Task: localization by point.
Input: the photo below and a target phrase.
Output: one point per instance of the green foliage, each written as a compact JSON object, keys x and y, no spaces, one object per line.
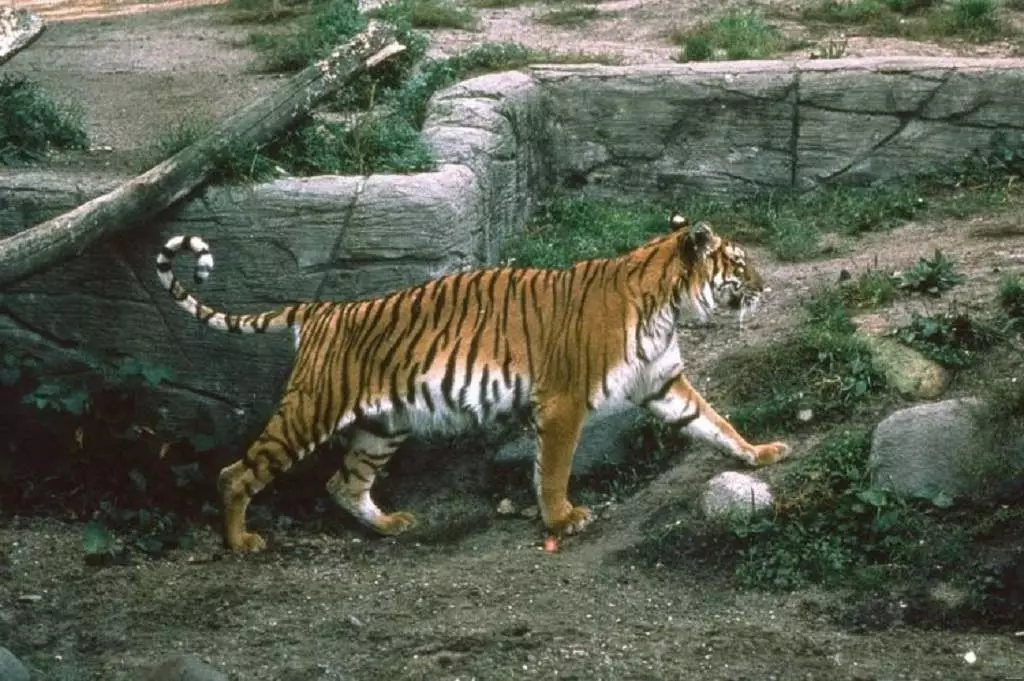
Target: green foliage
{"x":821,"y":372}
{"x":573,"y":16}
{"x":1011,"y":300}
{"x":951,"y":338}
{"x":872,"y":288}
{"x":932,"y":277}
{"x":31,"y":124}
{"x":566,"y":230}
{"x":441,"y":14}
{"x":182,"y":135}
{"x":331,"y":23}
{"x":85,"y":441}
{"x":372,"y":144}
{"x":975,"y":17}
{"x":733,"y":35}
{"x":974,"y":20}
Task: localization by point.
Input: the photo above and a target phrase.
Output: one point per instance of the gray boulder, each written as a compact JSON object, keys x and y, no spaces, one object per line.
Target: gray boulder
{"x":605,"y":441}
{"x":184,"y":668}
{"x":928,"y":449}
{"x":733,"y":494}
{"x":11,"y":668}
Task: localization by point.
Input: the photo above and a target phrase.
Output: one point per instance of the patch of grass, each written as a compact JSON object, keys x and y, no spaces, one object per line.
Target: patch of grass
{"x":32,"y":124}
{"x":974,"y":20}
{"x":819,"y":372}
{"x":500,"y":4}
{"x":573,"y":16}
{"x":371,"y":144}
{"x":831,"y":527}
{"x":441,"y":14}
{"x":330,"y":23}
{"x":733,"y":35}
{"x":268,"y":11}
{"x":950,"y":338}
{"x":976,"y":17}
{"x":872,"y":288}
{"x":1011,"y":300}
{"x":570,"y":229}
{"x":180,"y":136}
{"x":931,"y":277}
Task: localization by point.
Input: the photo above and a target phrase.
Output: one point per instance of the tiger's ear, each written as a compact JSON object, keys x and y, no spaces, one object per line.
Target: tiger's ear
{"x":702,"y":235}
{"x":697,"y":243}
{"x":678,"y":222}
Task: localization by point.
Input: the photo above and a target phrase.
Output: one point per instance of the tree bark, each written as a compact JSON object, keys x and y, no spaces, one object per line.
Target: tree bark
{"x":143,"y":197}
{"x":18,"y":29}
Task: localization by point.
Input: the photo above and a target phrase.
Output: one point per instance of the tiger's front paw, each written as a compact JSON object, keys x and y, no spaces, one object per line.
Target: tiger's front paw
{"x":770,"y":453}
{"x":574,"y":522}
{"x":247,"y":542}
{"x":395,"y":523}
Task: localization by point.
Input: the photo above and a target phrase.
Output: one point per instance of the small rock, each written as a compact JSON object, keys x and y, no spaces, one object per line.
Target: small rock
{"x":735,"y":494}
{"x":506,"y":507}
{"x":970,"y":657}
{"x":530,"y":512}
{"x":11,"y":668}
{"x":185,"y":668}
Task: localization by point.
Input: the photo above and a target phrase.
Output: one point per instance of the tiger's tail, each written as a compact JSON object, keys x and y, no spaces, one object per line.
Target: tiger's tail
{"x":263,"y":322}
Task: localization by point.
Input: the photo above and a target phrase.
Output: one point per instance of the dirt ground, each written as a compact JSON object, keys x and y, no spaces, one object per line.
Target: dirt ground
{"x":467,"y":595}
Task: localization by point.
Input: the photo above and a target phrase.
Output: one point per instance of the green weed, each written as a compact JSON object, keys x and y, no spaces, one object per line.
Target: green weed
{"x":733,"y":35}
{"x":974,"y":20}
{"x":1011,"y":300}
{"x":932,"y":277}
{"x":32,"y":124}
{"x":180,"y":136}
{"x":820,"y":372}
{"x":568,"y":229}
{"x":573,"y":16}
{"x":429,"y":14}
{"x":950,"y":338}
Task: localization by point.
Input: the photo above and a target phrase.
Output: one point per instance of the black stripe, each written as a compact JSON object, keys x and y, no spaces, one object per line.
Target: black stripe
{"x":661,"y":392}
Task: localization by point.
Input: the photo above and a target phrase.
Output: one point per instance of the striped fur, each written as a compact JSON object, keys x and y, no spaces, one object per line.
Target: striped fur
{"x":552,"y":346}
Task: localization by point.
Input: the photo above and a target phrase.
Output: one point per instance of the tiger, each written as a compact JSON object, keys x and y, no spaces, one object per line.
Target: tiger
{"x":550,"y":346}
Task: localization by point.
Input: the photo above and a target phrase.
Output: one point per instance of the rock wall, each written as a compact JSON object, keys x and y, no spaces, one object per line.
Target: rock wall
{"x":501,"y":141}
{"x":291,"y":239}
{"x":663,"y":131}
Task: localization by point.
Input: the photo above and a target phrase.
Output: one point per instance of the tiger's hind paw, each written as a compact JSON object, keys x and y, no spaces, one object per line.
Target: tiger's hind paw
{"x":770,"y":453}
{"x":574,"y":522}
{"x":391,"y":524}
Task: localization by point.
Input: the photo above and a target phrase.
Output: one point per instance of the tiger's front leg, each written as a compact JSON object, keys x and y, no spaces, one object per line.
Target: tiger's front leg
{"x":679,"y":403}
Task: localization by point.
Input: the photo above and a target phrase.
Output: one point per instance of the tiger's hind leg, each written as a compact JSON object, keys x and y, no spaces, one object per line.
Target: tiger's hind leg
{"x":679,"y":403}
{"x":350,"y":485}
{"x":287,"y":438}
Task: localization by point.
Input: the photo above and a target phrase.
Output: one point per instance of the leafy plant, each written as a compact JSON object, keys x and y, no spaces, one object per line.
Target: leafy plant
{"x":870,"y":289}
{"x":932,"y":277}
{"x":820,"y":371}
{"x":571,"y":229}
{"x":733,"y":35}
{"x":573,"y":15}
{"x":1011,"y":300}
{"x":951,"y":338}
{"x":440,"y":14}
{"x":31,"y":124}
{"x":89,"y":441}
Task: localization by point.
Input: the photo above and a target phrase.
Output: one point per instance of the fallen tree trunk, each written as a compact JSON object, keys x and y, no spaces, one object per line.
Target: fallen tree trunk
{"x":18,"y":30}
{"x":143,"y":197}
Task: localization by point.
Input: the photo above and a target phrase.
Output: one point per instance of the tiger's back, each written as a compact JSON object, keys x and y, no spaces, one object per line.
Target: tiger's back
{"x":549,"y":345}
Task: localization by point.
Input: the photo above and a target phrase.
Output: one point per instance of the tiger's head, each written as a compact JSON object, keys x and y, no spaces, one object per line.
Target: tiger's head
{"x":718,"y":272}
